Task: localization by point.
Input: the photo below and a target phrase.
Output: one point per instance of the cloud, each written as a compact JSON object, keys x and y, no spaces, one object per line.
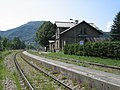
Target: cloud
{"x":108,"y":26}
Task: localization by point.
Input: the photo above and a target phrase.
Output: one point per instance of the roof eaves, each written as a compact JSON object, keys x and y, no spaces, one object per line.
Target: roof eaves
{"x":67,"y":29}
{"x":71,"y":27}
{"x":80,"y":23}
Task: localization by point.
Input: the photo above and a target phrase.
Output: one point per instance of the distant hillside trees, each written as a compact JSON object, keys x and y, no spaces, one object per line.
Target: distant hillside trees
{"x":16,"y":43}
{"x":5,"y":43}
{"x":26,"y":32}
{"x":0,"y":43}
{"x":45,"y":33}
{"x":115,"y":29}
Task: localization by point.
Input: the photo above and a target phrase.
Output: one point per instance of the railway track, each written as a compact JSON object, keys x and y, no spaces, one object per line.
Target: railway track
{"x":89,"y":76}
{"x":59,"y":83}
{"x":24,"y":80}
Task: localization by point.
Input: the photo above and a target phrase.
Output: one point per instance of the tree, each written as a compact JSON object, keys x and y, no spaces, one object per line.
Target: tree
{"x":1,"y":43}
{"x":5,"y":43}
{"x":0,"y":38}
{"x":22,"y":46}
{"x":45,"y":33}
{"x":17,"y":43}
{"x":115,"y":29}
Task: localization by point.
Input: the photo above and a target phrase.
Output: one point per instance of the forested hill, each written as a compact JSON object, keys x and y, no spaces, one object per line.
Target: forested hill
{"x":25,"y":32}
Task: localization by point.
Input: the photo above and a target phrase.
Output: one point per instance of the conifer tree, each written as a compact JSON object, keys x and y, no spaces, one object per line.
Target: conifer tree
{"x":115,"y":29}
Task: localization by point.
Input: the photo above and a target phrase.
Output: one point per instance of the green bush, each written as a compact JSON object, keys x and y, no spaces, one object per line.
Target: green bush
{"x":97,"y":49}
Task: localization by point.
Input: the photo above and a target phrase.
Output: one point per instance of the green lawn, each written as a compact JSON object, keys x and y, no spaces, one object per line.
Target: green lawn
{"x":112,"y":62}
{"x":82,"y":59}
{"x":86,"y":58}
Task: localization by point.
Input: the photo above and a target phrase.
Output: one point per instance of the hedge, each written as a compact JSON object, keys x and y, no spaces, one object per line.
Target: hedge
{"x":97,"y":49}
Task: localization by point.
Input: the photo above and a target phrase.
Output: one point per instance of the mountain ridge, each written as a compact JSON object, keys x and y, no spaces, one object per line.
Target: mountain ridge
{"x":25,"y":32}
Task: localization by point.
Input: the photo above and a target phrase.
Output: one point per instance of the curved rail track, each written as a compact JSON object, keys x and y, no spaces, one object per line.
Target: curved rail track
{"x":39,"y":69}
{"x":22,"y":74}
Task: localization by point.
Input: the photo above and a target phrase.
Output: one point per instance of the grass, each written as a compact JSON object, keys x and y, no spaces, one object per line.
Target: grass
{"x":3,"y":70}
{"x":86,"y":58}
{"x":33,"y":75}
{"x":15,"y":77}
{"x":5,"y":73}
{"x":84,"y":85}
{"x":106,"y":61}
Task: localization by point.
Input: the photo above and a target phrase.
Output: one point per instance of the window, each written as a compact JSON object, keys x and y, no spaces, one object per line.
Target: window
{"x":84,"y":31}
{"x":81,"y":31}
{"x":64,"y":43}
{"x":57,"y":44}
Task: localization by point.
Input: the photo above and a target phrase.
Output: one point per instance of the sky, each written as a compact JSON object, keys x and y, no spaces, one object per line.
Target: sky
{"x":14,"y":13}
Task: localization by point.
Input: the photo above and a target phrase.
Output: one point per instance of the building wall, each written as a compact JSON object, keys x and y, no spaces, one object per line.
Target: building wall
{"x":57,"y":40}
{"x":73,"y":35}
{"x":52,"y":47}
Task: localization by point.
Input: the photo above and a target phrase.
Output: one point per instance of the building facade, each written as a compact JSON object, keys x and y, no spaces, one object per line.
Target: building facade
{"x":72,"y":32}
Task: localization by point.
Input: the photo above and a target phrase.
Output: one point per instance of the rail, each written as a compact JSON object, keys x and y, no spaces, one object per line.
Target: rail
{"x":22,"y":73}
{"x":41,"y":70}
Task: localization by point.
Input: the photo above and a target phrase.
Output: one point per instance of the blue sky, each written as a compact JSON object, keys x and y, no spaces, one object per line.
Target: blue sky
{"x":14,"y":13}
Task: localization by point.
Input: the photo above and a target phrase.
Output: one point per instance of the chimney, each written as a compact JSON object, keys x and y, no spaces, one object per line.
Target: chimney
{"x":76,"y":21}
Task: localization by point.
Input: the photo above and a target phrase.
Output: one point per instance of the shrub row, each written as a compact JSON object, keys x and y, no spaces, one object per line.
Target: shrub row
{"x":97,"y":49}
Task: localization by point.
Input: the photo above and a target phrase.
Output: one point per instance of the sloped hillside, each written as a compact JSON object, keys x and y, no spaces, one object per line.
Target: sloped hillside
{"x":25,"y":32}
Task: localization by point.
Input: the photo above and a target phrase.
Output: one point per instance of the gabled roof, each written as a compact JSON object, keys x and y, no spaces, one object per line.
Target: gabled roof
{"x":90,"y":24}
{"x":64,"y":24}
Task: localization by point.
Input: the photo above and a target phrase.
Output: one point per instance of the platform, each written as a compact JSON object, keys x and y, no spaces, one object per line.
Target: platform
{"x":98,"y":79}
